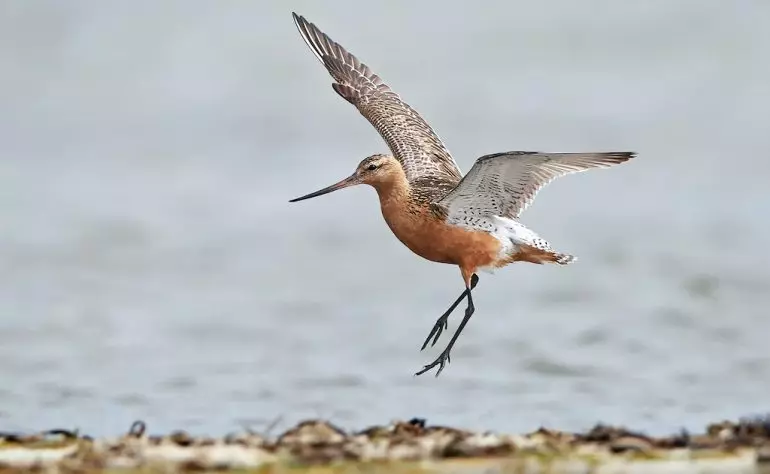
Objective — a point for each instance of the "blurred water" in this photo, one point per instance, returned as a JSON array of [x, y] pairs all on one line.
[[151, 267]]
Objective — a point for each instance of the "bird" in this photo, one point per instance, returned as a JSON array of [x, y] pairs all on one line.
[[470, 221]]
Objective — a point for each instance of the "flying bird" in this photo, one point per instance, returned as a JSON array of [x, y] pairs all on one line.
[[471, 221]]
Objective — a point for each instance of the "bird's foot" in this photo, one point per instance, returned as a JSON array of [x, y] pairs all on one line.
[[441, 362], [441, 324]]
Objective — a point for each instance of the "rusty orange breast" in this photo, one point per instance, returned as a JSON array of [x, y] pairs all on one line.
[[427, 235]]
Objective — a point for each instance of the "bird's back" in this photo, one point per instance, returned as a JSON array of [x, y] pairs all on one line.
[[429, 190]]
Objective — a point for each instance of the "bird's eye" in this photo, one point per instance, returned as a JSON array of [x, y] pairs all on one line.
[[371, 167]]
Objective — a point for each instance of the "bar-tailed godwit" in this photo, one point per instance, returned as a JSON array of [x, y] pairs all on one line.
[[470, 221]]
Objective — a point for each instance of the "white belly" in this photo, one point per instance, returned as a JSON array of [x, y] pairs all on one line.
[[511, 233]]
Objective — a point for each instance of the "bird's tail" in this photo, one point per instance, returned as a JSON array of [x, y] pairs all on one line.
[[533, 254], [564, 258]]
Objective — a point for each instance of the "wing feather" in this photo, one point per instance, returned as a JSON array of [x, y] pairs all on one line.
[[505, 184], [411, 140]]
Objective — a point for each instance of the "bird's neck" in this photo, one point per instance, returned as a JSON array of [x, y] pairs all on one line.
[[401, 212], [394, 193]]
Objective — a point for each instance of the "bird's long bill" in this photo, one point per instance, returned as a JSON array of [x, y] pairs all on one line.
[[349, 181]]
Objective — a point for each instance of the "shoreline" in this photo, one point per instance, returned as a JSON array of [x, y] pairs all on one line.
[[413, 446]]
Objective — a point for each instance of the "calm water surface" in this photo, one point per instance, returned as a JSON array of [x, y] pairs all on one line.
[[151, 266]]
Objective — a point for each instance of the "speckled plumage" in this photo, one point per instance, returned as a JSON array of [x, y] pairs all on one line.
[[429, 167], [469, 221], [500, 186], [505, 184]]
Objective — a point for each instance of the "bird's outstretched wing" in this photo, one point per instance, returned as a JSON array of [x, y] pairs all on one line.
[[411, 140], [504, 184]]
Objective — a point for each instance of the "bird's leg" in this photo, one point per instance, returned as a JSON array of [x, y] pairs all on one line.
[[441, 322], [443, 358]]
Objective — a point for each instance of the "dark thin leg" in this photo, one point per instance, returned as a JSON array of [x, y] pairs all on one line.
[[443, 358], [441, 322]]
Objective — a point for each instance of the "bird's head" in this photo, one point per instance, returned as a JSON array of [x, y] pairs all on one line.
[[375, 170]]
